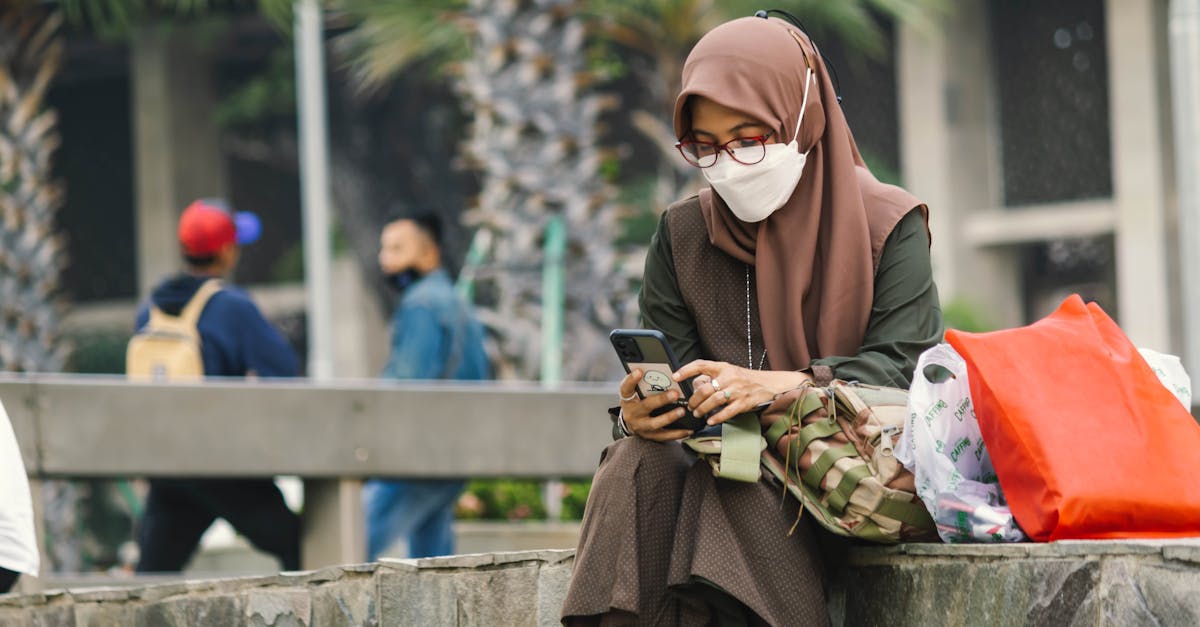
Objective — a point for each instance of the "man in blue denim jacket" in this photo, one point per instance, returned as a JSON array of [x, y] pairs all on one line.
[[435, 335]]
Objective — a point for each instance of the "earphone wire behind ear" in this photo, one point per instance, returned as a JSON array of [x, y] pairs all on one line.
[[795, 21]]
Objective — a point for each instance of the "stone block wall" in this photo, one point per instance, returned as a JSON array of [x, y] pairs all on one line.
[[524, 588], [1154, 582], [1062, 583]]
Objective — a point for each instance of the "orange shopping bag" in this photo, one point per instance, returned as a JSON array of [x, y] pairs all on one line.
[[1086, 442]]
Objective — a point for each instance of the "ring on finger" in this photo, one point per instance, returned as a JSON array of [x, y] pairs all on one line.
[[626, 399], [727, 395], [716, 385]]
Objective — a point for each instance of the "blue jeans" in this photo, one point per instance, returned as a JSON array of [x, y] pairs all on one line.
[[421, 512]]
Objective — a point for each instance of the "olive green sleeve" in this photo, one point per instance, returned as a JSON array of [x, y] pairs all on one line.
[[906, 316], [662, 304]]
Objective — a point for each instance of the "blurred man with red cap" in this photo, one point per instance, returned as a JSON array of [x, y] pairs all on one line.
[[235, 341]]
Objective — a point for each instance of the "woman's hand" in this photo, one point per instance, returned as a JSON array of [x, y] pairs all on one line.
[[733, 389], [636, 411]]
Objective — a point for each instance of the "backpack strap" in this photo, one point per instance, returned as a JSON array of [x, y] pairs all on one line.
[[741, 448], [157, 318], [191, 312]]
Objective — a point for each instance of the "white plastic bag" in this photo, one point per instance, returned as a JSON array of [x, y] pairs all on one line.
[[1170, 371], [942, 445]]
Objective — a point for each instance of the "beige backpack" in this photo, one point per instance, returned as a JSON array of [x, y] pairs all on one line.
[[168, 347]]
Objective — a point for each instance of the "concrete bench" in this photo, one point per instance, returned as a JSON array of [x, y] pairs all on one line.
[[332, 436], [1063, 583]]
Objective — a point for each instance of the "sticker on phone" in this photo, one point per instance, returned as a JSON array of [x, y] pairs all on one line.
[[656, 379]]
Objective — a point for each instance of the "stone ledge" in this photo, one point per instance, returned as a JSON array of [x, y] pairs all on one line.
[[484, 589], [1109, 582], [1185, 549], [1093, 582]]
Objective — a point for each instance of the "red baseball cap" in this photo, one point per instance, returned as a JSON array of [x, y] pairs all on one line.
[[208, 225]]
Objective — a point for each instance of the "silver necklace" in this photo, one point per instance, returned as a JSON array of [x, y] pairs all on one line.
[[749, 350]]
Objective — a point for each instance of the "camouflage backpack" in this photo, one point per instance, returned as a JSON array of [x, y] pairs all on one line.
[[831, 448]]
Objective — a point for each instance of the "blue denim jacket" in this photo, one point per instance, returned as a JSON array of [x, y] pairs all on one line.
[[435, 334]]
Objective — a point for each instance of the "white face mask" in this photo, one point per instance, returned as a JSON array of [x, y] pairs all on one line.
[[754, 192]]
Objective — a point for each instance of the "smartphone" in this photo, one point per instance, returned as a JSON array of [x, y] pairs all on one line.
[[648, 351]]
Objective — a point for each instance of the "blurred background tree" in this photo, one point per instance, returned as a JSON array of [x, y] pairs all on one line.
[[32, 252], [550, 276]]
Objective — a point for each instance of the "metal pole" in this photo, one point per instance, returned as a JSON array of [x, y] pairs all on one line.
[[553, 284], [554, 250], [314, 185], [333, 525], [1184, 28], [475, 255]]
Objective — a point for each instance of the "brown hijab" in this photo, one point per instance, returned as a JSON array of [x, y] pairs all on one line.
[[815, 257]]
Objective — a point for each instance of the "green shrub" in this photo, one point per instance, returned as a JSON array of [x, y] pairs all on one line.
[[574, 498], [97, 351], [518, 499], [964, 316]]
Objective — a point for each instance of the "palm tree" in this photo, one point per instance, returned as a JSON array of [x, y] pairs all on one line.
[[534, 139], [32, 255]]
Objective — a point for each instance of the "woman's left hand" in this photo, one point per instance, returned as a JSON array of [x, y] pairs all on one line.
[[731, 388]]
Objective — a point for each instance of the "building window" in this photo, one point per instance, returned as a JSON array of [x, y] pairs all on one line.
[[868, 90], [95, 165], [1053, 270], [1052, 73]]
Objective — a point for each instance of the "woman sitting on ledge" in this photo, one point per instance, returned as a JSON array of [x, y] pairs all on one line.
[[795, 265]]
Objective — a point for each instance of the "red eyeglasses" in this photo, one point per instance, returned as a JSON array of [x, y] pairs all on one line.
[[744, 150]]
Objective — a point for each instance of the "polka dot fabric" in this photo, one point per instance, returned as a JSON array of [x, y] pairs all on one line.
[[665, 543]]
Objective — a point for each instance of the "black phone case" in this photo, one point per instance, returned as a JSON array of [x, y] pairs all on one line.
[[647, 348]]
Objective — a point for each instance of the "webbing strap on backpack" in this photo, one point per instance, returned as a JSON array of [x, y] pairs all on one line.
[[741, 449], [808, 404], [737, 453]]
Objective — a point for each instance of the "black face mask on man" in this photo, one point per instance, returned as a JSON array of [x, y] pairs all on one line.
[[399, 281]]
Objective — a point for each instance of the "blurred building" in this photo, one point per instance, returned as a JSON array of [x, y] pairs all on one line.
[[1040, 133]]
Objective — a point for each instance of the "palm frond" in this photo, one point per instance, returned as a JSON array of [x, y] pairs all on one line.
[[386, 36], [116, 19], [278, 12]]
